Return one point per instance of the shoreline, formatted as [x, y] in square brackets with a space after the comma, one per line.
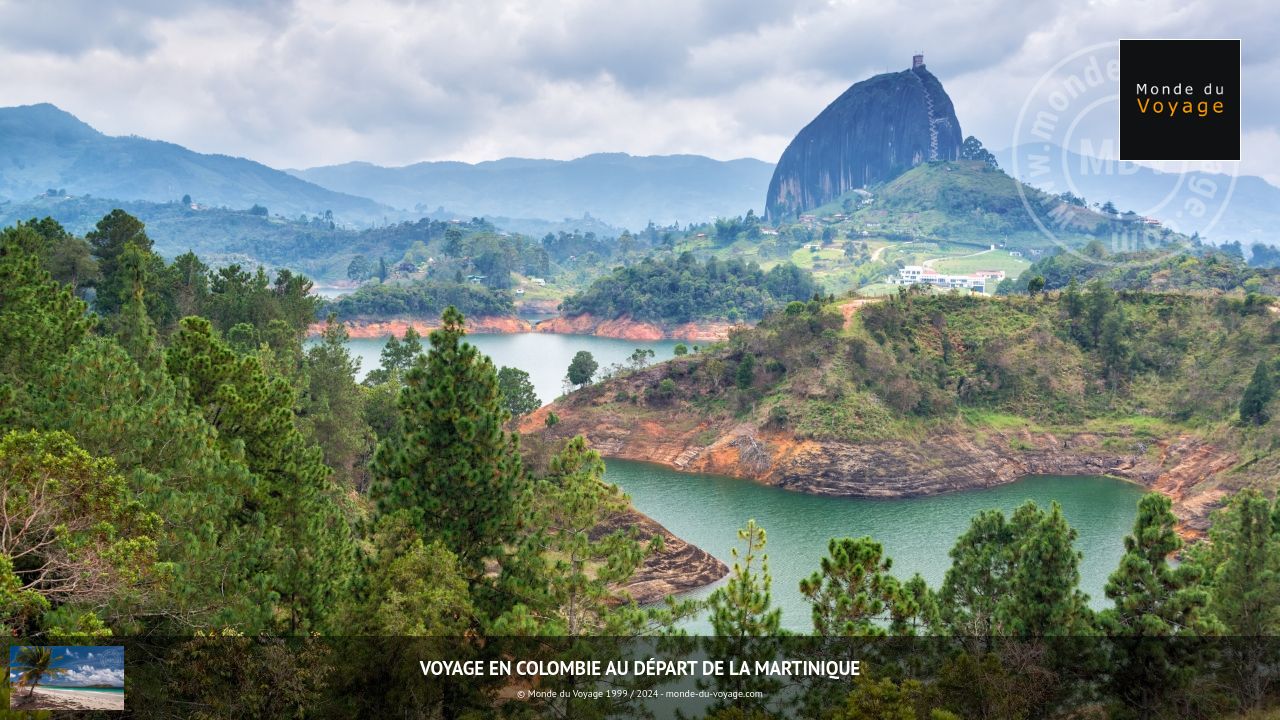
[696, 332]
[1187, 469]
[66, 699]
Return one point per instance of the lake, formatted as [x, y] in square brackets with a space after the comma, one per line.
[707, 510]
[917, 533]
[544, 356]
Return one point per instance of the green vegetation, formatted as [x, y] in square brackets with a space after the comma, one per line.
[422, 298]
[1192, 267]
[581, 369]
[677, 290]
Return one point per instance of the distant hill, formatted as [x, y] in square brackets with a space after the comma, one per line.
[43, 147]
[222, 236]
[1252, 215]
[970, 202]
[619, 189]
[875, 131]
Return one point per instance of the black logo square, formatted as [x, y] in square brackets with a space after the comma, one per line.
[1180, 99]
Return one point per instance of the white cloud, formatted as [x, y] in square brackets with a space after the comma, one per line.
[90, 675]
[321, 81]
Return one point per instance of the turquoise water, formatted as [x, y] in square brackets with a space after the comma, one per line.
[544, 356]
[110, 691]
[916, 532]
[708, 510]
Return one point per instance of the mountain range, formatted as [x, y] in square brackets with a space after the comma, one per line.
[44, 148]
[622, 190]
[1251, 215]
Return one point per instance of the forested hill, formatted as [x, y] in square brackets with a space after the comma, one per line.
[1198, 267]
[683, 289]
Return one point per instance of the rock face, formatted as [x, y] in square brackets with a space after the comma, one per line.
[375, 328]
[878, 129]
[1189, 470]
[627, 329]
[678, 568]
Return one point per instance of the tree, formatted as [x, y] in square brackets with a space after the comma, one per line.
[73, 533]
[186, 200]
[518, 395]
[854, 594]
[109, 239]
[398, 355]
[681, 350]
[382, 270]
[452, 468]
[743, 606]
[33, 663]
[331, 407]
[40, 320]
[745, 375]
[640, 357]
[1035, 285]
[1153, 600]
[1257, 395]
[585, 563]
[582, 368]
[409, 588]
[982, 564]
[311, 564]
[360, 269]
[1043, 598]
[1241, 562]
[972, 149]
[744, 621]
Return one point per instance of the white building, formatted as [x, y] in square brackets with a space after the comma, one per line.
[981, 281]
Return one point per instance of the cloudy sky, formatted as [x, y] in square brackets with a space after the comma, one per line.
[81, 665]
[298, 83]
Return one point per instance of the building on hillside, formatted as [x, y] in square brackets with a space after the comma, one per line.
[981, 281]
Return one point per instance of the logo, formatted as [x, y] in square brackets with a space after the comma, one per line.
[1066, 144]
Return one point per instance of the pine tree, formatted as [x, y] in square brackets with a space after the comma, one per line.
[583, 567]
[743, 606]
[854, 594]
[40, 321]
[1257, 395]
[1151, 598]
[452, 467]
[171, 456]
[1152, 603]
[133, 326]
[982, 564]
[109, 240]
[1242, 566]
[332, 409]
[311, 565]
[1043, 598]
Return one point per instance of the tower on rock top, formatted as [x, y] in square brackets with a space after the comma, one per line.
[917, 61]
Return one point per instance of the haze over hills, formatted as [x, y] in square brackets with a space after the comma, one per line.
[620, 189]
[1252, 215]
[43, 147]
[875, 131]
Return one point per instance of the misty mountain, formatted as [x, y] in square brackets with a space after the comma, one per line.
[1252, 214]
[619, 189]
[43, 147]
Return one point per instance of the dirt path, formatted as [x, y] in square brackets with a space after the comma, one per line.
[929, 263]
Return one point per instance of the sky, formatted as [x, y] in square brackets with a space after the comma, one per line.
[82, 666]
[301, 83]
